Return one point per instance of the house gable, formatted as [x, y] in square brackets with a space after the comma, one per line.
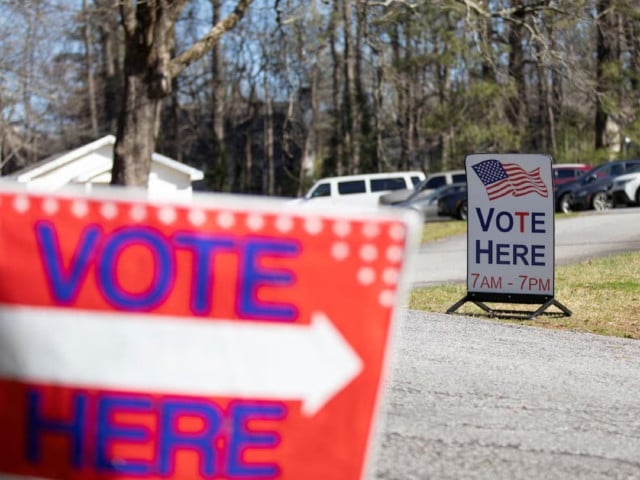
[91, 165]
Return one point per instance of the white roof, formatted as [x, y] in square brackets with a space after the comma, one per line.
[360, 176]
[57, 161]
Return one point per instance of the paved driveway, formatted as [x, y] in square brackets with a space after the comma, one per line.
[588, 235]
[472, 398]
[476, 399]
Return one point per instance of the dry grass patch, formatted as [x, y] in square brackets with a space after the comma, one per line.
[442, 229]
[603, 295]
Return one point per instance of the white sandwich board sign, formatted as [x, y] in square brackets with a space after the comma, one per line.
[510, 230]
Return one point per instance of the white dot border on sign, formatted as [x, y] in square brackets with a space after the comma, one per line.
[387, 298]
[366, 276]
[138, 213]
[284, 224]
[340, 250]
[370, 230]
[390, 276]
[21, 204]
[254, 222]
[50, 206]
[341, 228]
[109, 210]
[226, 220]
[313, 225]
[167, 215]
[197, 217]
[397, 232]
[368, 252]
[79, 208]
[394, 253]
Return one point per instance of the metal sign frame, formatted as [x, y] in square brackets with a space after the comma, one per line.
[510, 233]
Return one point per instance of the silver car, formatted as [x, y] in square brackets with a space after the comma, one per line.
[625, 189]
[427, 203]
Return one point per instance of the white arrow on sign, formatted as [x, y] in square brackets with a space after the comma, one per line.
[137, 352]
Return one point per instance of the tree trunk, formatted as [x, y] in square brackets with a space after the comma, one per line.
[148, 79]
[517, 103]
[487, 70]
[248, 164]
[400, 88]
[149, 71]
[269, 138]
[352, 146]
[337, 147]
[136, 135]
[378, 96]
[175, 147]
[312, 150]
[603, 56]
[220, 173]
[91, 90]
[111, 88]
[632, 32]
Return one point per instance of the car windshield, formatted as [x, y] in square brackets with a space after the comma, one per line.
[438, 192]
[595, 173]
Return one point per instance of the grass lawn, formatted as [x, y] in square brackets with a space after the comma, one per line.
[603, 294]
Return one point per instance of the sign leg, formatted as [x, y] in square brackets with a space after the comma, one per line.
[458, 304]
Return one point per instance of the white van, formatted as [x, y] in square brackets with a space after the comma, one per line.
[359, 190]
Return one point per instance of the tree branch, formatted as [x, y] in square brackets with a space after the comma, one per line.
[173, 8]
[204, 45]
[508, 13]
[128, 15]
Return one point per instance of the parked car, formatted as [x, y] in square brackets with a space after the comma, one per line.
[625, 189]
[568, 172]
[428, 185]
[427, 204]
[591, 190]
[454, 204]
[360, 190]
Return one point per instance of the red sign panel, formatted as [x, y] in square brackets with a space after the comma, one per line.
[209, 341]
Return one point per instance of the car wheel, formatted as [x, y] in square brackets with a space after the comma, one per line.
[565, 206]
[638, 196]
[462, 211]
[601, 201]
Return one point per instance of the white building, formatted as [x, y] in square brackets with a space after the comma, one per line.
[91, 164]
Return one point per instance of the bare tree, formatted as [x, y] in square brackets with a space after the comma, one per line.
[149, 70]
[218, 97]
[91, 89]
[604, 56]
[33, 80]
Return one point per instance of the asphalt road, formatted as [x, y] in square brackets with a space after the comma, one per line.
[471, 398]
[588, 235]
[475, 399]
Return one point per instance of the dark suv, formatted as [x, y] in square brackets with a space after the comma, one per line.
[590, 190]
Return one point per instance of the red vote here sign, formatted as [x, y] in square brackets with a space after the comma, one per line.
[226, 339]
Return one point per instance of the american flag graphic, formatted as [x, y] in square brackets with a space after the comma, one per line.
[501, 179]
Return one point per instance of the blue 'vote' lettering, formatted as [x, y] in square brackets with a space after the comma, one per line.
[102, 250]
[505, 221]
